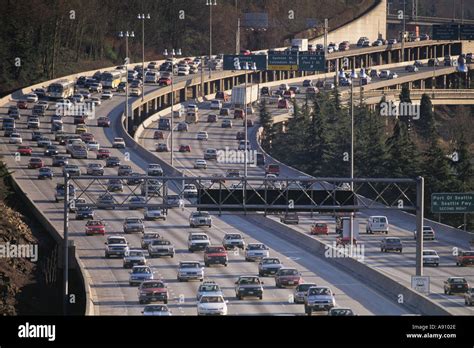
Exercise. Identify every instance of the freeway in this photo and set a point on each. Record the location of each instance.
(113, 295)
(398, 267)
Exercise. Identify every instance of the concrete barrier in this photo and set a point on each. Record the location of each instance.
(412, 300)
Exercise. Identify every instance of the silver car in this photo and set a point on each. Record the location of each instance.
(134, 258)
(139, 274)
(301, 292)
(188, 270)
(269, 266)
(209, 288)
(256, 251)
(156, 310)
(319, 298)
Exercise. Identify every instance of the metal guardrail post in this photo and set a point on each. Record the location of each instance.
(420, 191)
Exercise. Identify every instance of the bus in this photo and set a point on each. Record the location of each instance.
(111, 79)
(60, 89)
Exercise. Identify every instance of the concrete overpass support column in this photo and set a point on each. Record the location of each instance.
(136, 119)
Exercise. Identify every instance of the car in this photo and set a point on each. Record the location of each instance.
(103, 122)
(158, 135)
(45, 173)
(135, 179)
(233, 240)
(60, 192)
(103, 154)
(156, 311)
(94, 227)
(224, 112)
(147, 238)
(43, 142)
(202, 136)
(22, 104)
(290, 218)
(465, 258)
(107, 95)
(393, 75)
(269, 266)
(184, 148)
(430, 257)
(200, 219)
(95, 169)
(133, 224)
(392, 42)
(249, 286)
(391, 244)
(124, 170)
(210, 154)
(212, 305)
(35, 163)
(134, 257)
(118, 143)
(153, 291)
(377, 224)
(93, 146)
(97, 88)
(216, 105)
(319, 298)
(226, 124)
(164, 81)
(319, 228)
(15, 138)
(341, 312)
(287, 277)
(115, 185)
(25, 150)
(81, 128)
(301, 292)
(256, 252)
(469, 297)
(428, 233)
(154, 169)
(159, 247)
(60, 161)
(106, 201)
(198, 241)
(139, 274)
(412, 68)
(87, 137)
(215, 254)
(208, 288)
(112, 162)
(154, 214)
(222, 96)
(135, 203)
(190, 191)
(33, 123)
(72, 170)
(272, 169)
(78, 98)
(200, 164)
(455, 285)
(162, 147)
(188, 270)
(96, 101)
(84, 213)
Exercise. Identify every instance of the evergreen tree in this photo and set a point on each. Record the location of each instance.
(426, 126)
(463, 167)
(405, 98)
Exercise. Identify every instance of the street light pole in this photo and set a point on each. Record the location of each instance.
(247, 67)
(404, 30)
(142, 17)
(210, 4)
(172, 54)
(66, 246)
(126, 35)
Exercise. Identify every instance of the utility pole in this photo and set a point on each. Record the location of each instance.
(404, 29)
(237, 39)
(326, 29)
(420, 191)
(142, 17)
(66, 245)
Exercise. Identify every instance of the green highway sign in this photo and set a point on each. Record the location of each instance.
(232, 62)
(312, 62)
(448, 32)
(452, 203)
(467, 32)
(283, 62)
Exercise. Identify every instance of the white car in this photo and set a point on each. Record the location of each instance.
(31, 98)
(107, 95)
(96, 101)
(119, 143)
(202, 136)
(200, 164)
(33, 123)
(430, 257)
(93, 146)
(212, 305)
(156, 310)
(15, 138)
(392, 76)
(256, 252)
(384, 74)
(190, 190)
(216, 105)
(154, 214)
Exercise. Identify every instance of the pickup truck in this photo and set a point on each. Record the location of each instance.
(199, 219)
(215, 255)
(133, 224)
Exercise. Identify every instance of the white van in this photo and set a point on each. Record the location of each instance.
(377, 224)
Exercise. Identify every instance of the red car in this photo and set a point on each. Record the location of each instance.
(240, 136)
(283, 104)
(245, 52)
(95, 227)
(272, 169)
(239, 113)
(215, 255)
(465, 258)
(103, 154)
(25, 150)
(103, 122)
(22, 104)
(164, 81)
(288, 277)
(35, 163)
(319, 228)
(153, 291)
(158, 135)
(185, 148)
(211, 118)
